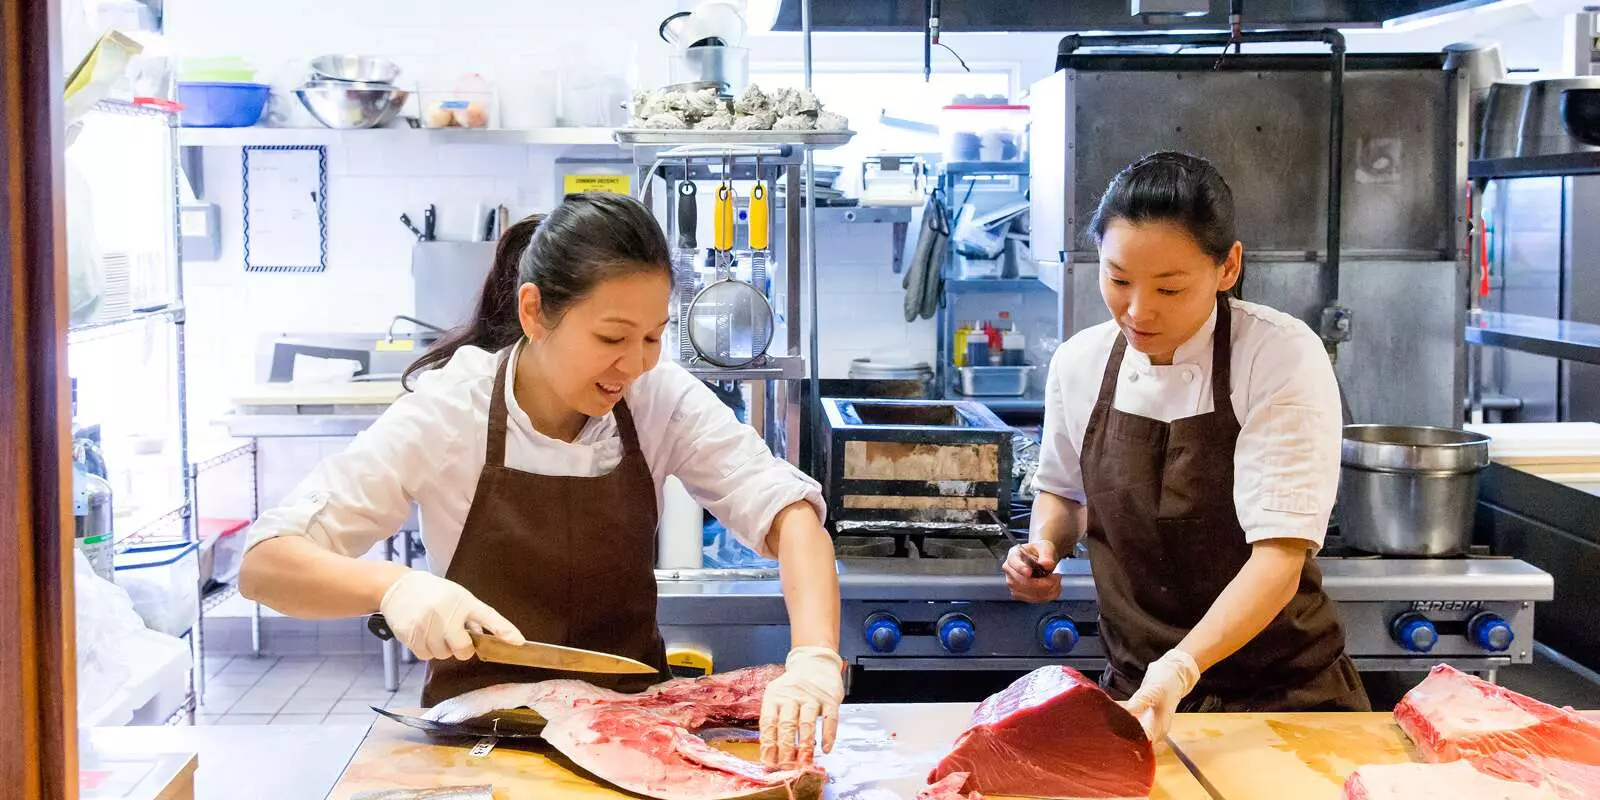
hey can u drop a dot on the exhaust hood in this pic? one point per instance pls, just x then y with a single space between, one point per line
1004 16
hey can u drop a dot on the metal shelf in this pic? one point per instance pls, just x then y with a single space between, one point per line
149 530
820 140
246 449
222 595
1004 405
1570 341
173 310
775 368
257 135
142 106
985 168
1587 163
994 284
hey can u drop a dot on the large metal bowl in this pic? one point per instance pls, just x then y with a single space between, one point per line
346 108
365 69
1409 490
1580 113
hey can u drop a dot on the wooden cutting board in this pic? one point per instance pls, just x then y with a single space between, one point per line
1273 756
883 752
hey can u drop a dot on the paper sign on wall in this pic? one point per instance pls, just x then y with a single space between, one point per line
616 184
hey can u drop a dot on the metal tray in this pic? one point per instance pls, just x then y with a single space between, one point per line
819 139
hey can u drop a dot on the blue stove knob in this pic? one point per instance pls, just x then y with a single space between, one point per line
956 633
1490 632
882 631
1414 632
1058 634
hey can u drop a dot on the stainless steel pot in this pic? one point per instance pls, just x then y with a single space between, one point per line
1542 132
1502 120
1409 490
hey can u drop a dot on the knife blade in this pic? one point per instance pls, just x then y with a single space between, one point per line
555 656
536 654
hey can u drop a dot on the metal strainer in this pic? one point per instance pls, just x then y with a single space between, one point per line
730 324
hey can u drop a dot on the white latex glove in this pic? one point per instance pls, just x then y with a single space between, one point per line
812 686
1166 681
431 616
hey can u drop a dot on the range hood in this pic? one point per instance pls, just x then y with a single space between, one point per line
1005 16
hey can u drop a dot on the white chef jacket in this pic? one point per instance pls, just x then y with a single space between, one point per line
428 448
1286 461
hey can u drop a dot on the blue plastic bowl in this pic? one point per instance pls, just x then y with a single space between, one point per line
221 105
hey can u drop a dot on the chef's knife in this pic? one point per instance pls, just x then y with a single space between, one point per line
536 654
430 221
1038 569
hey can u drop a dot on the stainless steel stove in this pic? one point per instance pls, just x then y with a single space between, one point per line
913 603
943 604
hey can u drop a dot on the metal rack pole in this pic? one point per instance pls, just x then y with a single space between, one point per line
180 325
814 409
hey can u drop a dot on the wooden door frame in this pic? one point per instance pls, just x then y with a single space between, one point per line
38 671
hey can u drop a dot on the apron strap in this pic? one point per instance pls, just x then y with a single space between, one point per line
1108 381
625 428
1222 362
495 453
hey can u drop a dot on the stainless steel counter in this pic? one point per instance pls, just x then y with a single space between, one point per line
241 762
1346 580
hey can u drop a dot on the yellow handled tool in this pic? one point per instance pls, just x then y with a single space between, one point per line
760 232
724 218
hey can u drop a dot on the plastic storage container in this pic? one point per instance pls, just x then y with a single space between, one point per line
164 582
469 103
995 381
225 538
987 133
208 104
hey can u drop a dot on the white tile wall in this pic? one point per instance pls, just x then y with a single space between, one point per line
522 46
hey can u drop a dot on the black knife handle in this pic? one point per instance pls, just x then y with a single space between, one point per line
379 627
686 215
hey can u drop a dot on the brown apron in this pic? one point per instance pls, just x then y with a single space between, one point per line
569 561
1164 540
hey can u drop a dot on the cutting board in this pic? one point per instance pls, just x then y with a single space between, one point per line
1273 756
883 752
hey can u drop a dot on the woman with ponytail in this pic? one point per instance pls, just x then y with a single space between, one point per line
1193 440
535 442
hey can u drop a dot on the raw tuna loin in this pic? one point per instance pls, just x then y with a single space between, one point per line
1456 780
1452 715
726 698
650 755
950 787
1500 776
1052 733
1486 743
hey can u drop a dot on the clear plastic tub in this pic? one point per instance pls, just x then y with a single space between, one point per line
986 133
467 104
164 582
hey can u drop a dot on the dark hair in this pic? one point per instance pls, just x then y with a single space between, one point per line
1172 187
589 238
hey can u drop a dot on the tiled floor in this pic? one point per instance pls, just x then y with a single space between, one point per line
246 690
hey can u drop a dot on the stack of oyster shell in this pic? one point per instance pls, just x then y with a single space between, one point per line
753 110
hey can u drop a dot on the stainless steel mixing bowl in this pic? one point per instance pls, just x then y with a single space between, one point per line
366 69
338 106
